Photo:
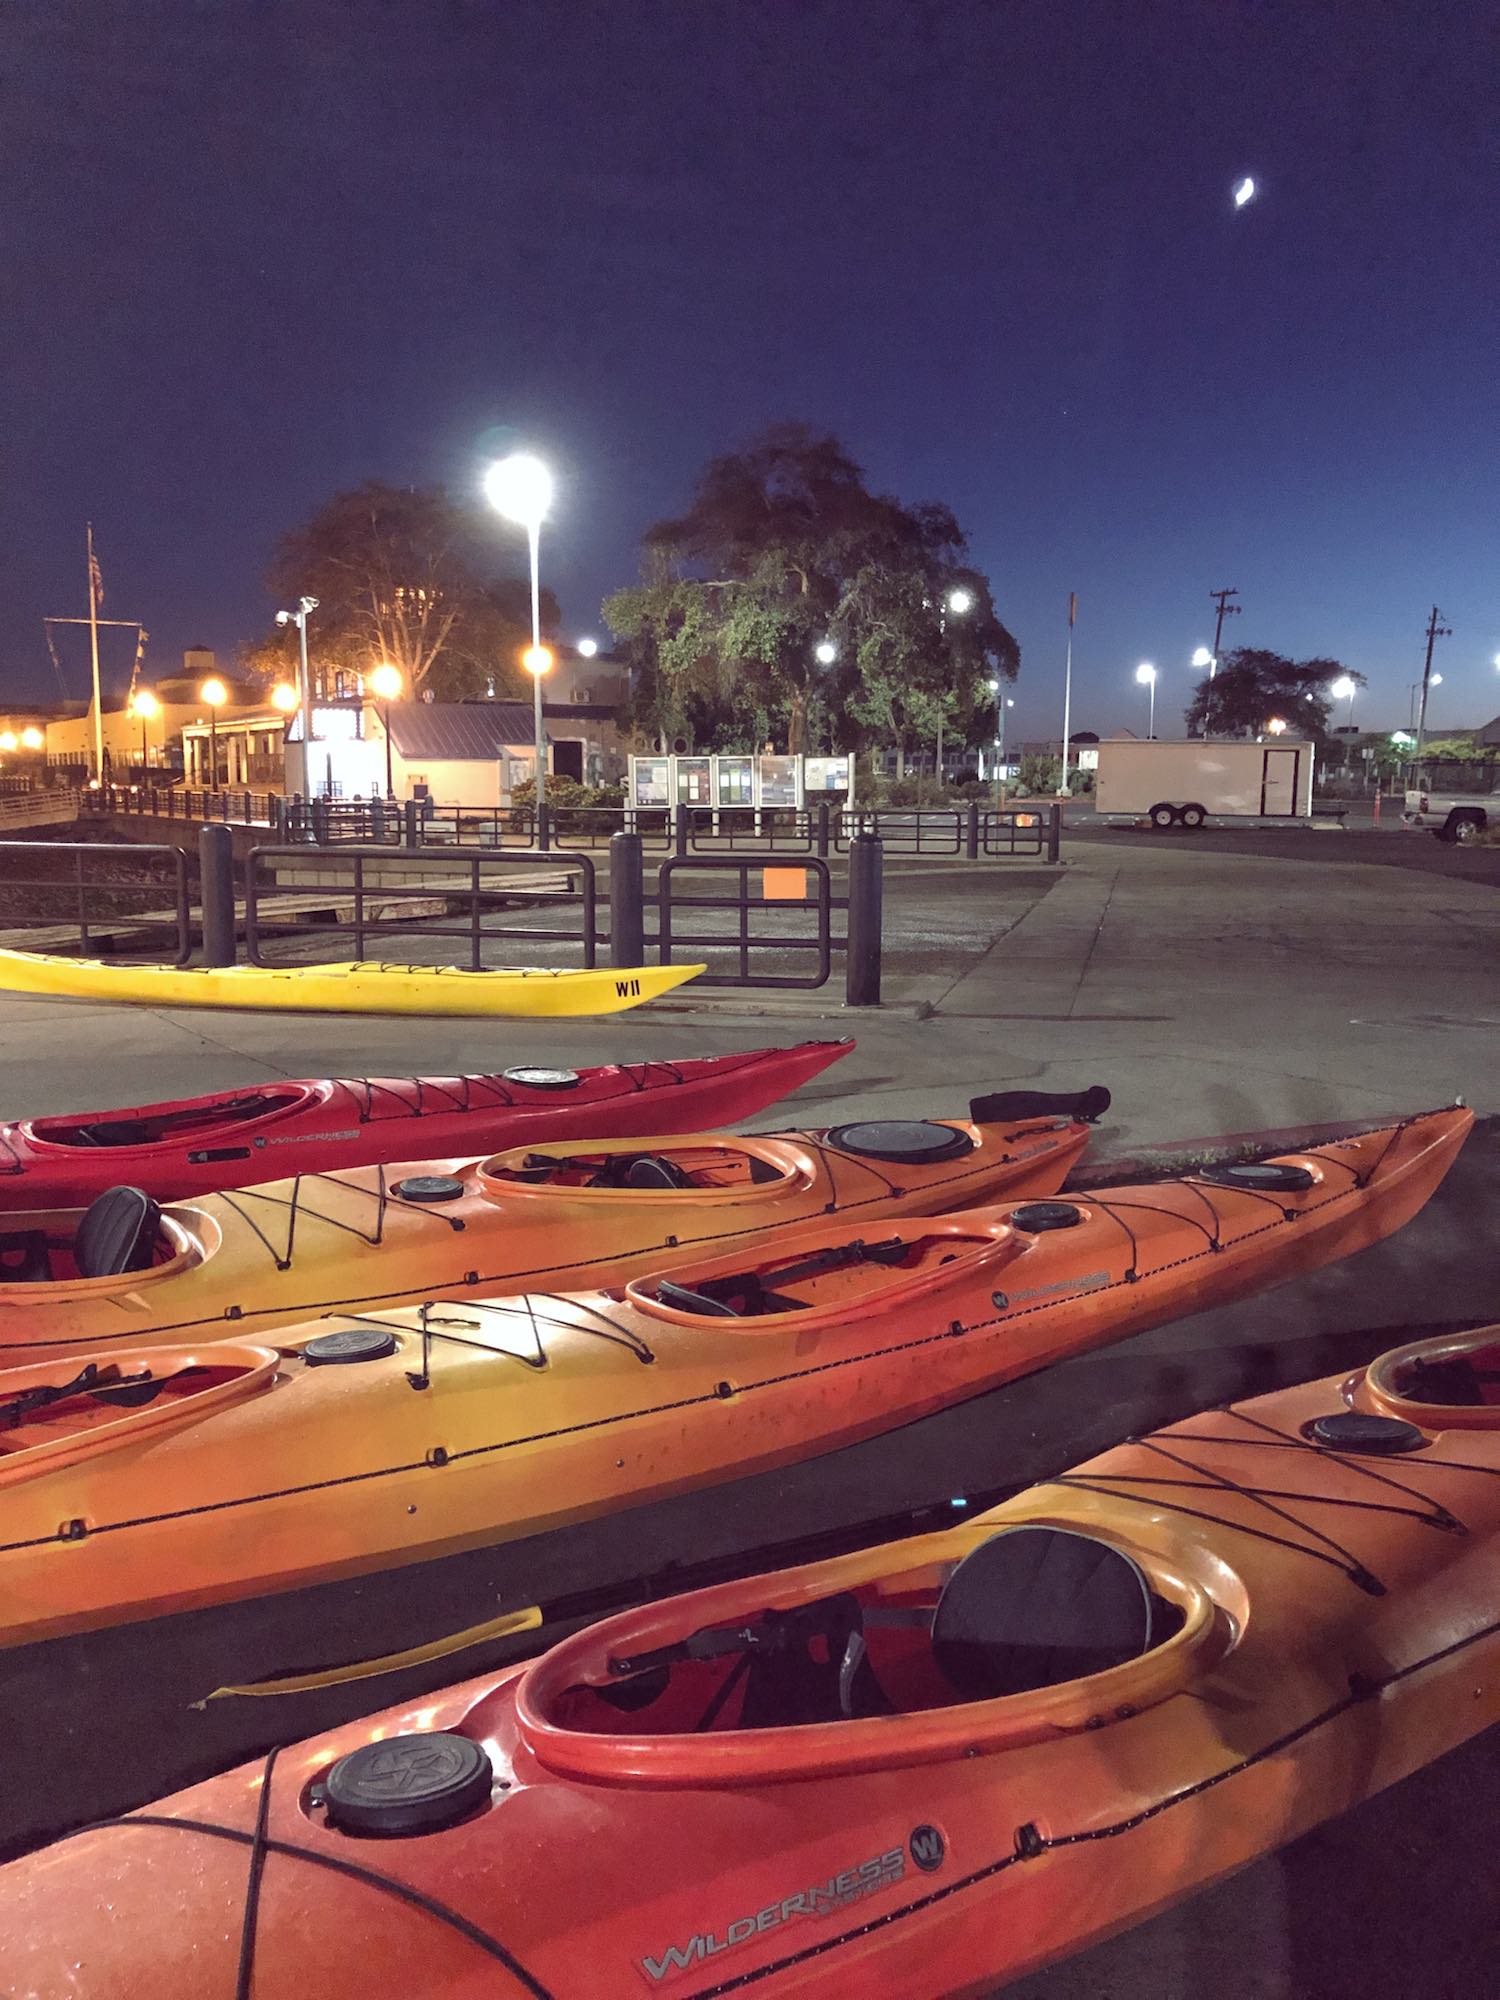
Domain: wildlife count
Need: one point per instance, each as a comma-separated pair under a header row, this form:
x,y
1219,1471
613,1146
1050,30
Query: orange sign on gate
x,y
783,885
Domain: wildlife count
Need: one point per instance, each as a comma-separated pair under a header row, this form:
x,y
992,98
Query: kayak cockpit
x,y
667,1167
200,1121
1448,1383
73,1408
1030,1630
122,1232
843,1275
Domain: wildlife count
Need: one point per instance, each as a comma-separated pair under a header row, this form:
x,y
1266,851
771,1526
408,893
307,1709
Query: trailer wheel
x,y
1163,816
1193,817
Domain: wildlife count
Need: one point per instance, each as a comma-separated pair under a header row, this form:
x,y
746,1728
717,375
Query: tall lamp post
x,y
214,694
520,488
304,684
144,704
1145,673
385,681
1002,703
1344,689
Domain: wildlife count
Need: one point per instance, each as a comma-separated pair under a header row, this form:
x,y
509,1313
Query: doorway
x,y
1278,783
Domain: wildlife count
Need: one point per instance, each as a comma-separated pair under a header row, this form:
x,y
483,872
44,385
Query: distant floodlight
x,y
537,660
520,488
1342,688
960,601
1400,737
284,698
32,737
1203,657
825,652
1276,727
1435,681
1145,673
1244,192
587,648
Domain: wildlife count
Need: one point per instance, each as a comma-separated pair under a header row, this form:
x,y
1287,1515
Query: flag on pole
x,y
1072,609
96,581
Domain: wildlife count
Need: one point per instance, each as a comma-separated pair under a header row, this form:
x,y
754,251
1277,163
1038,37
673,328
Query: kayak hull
x,y
936,1849
525,992
465,1426
329,1123
271,1255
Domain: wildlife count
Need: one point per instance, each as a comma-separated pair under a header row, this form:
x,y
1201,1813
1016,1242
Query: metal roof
x,y
460,731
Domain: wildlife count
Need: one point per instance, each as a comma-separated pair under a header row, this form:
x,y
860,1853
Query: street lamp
x,y
1343,689
1002,703
960,601
825,652
520,488
385,681
215,694
1203,657
284,698
304,684
587,648
145,704
1276,727
1145,673
7,739
1434,680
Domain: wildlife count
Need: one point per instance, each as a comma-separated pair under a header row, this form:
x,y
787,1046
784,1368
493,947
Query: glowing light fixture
x,y
1203,657
587,648
960,601
1244,191
825,652
284,698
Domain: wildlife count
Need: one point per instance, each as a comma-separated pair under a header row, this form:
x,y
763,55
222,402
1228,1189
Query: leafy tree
x,y
1253,686
785,551
401,574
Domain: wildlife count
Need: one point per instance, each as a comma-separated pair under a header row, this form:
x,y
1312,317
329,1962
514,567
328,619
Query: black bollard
x,y
216,893
971,832
627,904
862,960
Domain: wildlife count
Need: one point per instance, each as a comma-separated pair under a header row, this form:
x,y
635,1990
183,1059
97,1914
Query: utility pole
x,y
1226,610
1435,631
94,655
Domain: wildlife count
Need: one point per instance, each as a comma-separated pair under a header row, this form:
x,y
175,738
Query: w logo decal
x,y
927,1848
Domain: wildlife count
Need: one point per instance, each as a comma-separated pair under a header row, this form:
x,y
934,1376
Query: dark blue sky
x,y
257,250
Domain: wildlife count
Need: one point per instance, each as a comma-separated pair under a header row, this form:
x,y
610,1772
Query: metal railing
x,y
743,941
79,887
417,893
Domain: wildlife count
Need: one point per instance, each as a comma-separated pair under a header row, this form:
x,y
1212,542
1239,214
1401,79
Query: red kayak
x,y
273,1130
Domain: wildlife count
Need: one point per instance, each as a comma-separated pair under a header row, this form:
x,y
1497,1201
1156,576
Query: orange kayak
x,y
144,1480
917,1771
581,1213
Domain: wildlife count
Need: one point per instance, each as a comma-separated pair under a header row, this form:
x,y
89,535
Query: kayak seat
x,y
683,1300
117,1233
1035,1607
23,1257
650,1172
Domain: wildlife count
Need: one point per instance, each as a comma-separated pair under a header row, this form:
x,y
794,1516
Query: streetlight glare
x,y
520,488
385,680
144,703
214,693
1436,681
825,652
1245,191
1276,726
284,698
537,660
7,739
1145,673
32,737
587,648
1203,657
1342,688
960,601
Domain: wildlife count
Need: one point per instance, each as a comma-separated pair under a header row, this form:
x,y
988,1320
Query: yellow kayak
x,y
348,989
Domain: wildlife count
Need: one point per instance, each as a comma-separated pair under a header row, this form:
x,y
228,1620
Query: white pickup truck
x,y
1460,816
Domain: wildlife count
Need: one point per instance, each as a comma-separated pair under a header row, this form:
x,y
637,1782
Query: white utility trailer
x,y
1183,783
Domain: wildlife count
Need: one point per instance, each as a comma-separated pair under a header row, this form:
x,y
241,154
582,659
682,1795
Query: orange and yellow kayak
x,y
143,1480
922,1770
581,1213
